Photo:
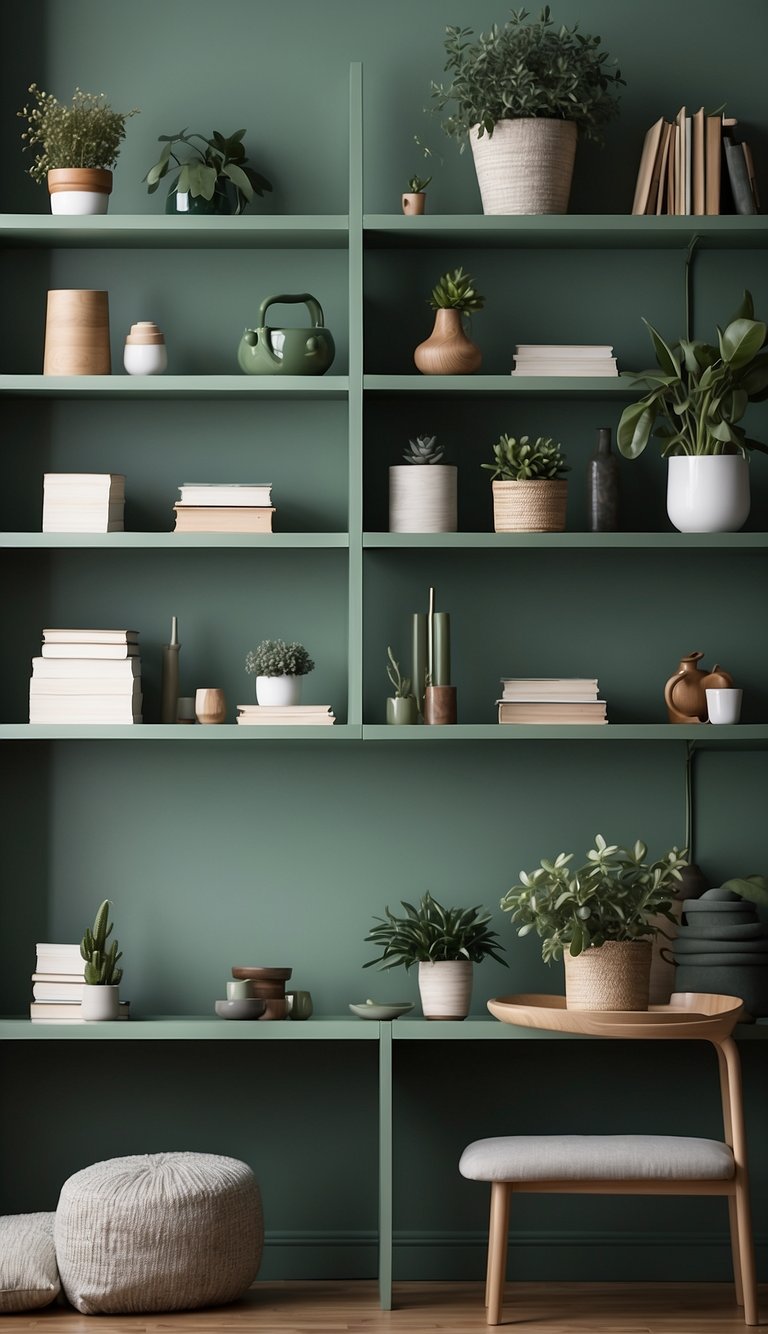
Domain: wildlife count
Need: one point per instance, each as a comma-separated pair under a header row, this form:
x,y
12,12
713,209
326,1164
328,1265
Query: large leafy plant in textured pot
x,y
696,399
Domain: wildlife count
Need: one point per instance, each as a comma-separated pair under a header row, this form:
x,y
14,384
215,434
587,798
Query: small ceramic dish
x,y
371,1009
245,1007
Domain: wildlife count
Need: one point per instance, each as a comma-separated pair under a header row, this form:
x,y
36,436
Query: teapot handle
x,y
302,298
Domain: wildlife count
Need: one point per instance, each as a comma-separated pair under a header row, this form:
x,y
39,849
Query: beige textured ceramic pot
x,y
445,989
525,166
422,498
613,976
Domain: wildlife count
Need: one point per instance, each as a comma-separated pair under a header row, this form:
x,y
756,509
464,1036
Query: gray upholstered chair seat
x,y
596,1158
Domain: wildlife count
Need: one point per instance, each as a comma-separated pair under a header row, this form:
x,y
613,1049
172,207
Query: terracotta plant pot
x,y
414,203
79,190
535,506
448,350
613,976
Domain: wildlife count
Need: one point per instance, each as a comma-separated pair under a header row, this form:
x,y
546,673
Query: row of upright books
x,y
564,359
57,986
695,164
535,699
86,676
95,503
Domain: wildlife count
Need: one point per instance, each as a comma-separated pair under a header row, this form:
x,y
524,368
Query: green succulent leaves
x,y
455,291
424,449
431,933
523,459
273,657
100,963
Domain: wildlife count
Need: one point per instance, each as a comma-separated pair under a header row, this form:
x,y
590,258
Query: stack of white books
x,y
83,502
564,359
275,715
86,676
561,699
57,986
224,507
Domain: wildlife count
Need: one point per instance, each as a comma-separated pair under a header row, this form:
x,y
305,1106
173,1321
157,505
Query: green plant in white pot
x,y
523,93
445,943
214,175
401,706
695,401
278,668
422,490
100,995
78,147
599,919
529,493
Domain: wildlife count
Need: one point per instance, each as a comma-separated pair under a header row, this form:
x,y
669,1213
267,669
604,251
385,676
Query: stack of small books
x,y
83,502
276,715
564,359
86,676
226,507
57,985
537,699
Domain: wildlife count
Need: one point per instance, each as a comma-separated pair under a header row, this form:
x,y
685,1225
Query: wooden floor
x,y
452,1308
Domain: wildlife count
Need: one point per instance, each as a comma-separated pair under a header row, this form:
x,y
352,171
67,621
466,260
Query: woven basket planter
x,y
529,507
526,166
613,976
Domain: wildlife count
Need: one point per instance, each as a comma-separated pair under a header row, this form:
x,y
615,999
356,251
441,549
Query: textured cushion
x,y
158,1232
28,1273
596,1158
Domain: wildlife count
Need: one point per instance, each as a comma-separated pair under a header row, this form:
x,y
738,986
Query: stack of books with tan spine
x,y
224,507
57,985
83,502
86,676
563,699
276,715
564,359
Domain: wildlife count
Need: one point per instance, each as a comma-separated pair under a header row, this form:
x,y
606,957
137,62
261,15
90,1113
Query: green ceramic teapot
x,y
270,351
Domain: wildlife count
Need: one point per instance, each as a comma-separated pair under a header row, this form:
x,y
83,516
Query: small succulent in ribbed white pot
x,y
422,490
278,668
529,495
100,995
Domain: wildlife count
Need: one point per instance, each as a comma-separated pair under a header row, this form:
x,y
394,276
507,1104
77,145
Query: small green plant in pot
x,y
422,490
79,146
449,350
414,199
101,973
401,707
599,918
214,176
529,493
445,943
278,668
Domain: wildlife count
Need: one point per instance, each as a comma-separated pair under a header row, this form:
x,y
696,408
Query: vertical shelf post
x,y
355,399
385,1165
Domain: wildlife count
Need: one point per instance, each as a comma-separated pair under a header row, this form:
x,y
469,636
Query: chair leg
x,y
736,1257
746,1254
497,1250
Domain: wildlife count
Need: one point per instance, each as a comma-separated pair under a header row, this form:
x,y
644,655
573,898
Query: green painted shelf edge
x,y
137,231
175,386
569,231
528,386
567,541
165,1028
737,737
170,541
180,734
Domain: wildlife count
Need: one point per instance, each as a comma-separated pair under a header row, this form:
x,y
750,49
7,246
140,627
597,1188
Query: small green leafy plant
x,y
86,133
424,449
524,69
524,460
101,968
273,657
431,933
613,897
455,291
418,184
700,392
400,684
216,161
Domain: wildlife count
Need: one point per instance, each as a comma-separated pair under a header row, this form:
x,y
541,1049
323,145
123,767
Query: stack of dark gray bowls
x,y
722,948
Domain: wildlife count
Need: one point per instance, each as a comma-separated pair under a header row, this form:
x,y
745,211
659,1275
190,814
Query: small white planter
x,y
526,165
99,1003
273,690
708,493
422,498
445,989
79,191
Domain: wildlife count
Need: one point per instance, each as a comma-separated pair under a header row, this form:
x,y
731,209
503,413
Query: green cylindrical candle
x,y
419,656
441,649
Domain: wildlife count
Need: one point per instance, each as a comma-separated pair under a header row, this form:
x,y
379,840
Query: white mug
x,y
724,705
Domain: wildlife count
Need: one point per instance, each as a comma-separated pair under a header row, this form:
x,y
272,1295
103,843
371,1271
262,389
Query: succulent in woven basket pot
x,y
529,493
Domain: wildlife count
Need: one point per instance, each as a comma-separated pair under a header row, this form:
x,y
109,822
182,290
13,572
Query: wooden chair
x,y
625,1164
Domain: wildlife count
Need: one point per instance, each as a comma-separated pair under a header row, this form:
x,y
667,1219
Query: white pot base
x,y
78,203
708,493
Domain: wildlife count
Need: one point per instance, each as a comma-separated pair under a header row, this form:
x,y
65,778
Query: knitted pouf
x,y
158,1232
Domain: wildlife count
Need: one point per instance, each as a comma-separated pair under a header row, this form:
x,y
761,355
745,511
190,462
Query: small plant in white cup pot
x,y
278,668
444,942
529,495
79,147
100,995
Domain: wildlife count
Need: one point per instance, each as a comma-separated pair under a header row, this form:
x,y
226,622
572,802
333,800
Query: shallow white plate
x,y
371,1009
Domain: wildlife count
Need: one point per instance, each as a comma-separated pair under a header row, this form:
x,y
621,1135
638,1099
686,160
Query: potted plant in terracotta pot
x,y
598,919
100,995
278,668
79,147
523,93
449,350
401,707
529,495
414,199
445,943
422,491
695,402
214,177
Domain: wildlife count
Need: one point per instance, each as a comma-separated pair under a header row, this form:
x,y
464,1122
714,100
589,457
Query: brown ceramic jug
x,y
685,692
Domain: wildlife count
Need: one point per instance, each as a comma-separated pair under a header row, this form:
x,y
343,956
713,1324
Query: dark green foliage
x,y
454,291
219,157
101,963
433,934
526,460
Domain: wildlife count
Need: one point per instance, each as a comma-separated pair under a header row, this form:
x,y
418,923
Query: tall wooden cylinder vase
x,y
77,333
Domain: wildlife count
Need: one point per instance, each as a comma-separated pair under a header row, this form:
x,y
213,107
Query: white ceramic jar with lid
x,y
145,352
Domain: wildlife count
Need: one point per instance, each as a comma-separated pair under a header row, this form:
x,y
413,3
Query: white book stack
x,y
83,502
564,359
275,715
561,699
224,507
57,986
86,676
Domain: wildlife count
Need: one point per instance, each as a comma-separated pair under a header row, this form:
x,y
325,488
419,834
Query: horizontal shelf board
x,y
139,231
197,734
742,735
170,541
173,1027
479,1028
568,541
527,386
570,231
175,386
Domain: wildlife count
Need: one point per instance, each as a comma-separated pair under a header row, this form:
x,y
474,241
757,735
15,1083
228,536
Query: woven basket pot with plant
x,y
529,495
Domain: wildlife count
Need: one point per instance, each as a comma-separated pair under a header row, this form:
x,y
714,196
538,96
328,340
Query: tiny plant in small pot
x,y
414,199
695,401
401,707
278,668
445,943
213,177
599,918
101,973
448,350
529,495
79,145
422,490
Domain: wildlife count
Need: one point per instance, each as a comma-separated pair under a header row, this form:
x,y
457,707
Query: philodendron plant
x,y
101,962
700,392
431,933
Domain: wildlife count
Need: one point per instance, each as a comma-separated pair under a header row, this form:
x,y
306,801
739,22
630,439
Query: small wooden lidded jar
x,y
77,333
145,352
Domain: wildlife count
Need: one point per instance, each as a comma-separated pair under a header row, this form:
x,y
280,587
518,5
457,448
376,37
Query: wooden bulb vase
x,y
448,350
77,333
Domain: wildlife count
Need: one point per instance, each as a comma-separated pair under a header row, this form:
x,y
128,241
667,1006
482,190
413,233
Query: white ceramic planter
x,y
273,690
708,493
79,191
526,165
99,1003
422,498
445,989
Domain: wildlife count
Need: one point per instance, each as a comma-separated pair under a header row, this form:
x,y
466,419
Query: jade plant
x,y
430,933
101,962
455,291
209,165
614,896
400,684
86,133
418,184
424,449
524,459
273,657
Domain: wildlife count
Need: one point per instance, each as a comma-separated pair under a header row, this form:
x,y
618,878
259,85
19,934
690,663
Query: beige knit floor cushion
x,y
158,1232
29,1276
